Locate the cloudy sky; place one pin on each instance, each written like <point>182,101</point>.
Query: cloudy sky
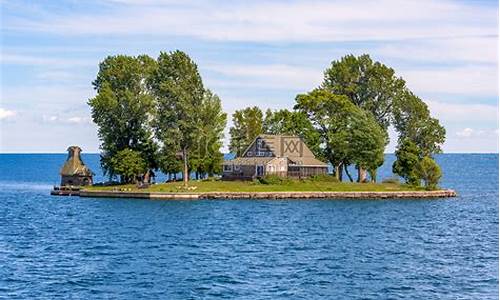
<point>250,53</point>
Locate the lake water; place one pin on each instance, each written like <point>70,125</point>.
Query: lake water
<point>67,247</point>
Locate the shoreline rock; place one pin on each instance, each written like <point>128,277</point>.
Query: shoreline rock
<point>271,195</point>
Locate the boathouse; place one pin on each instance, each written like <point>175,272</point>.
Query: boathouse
<point>282,155</point>
<point>74,172</point>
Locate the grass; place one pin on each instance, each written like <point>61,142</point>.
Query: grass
<point>202,186</point>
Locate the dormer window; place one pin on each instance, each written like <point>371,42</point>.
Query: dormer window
<point>260,144</point>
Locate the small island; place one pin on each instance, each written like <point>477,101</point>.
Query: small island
<point>156,115</point>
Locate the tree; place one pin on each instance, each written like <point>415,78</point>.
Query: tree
<point>370,85</point>
<point>296,123</point>
<point>178,89</point>
<point>122,108</point>
<point>411,118</point>
<point>207,158</point>
<point>428,171</point>
<point>129,164</point>
<point>367,143</point>
<point>348,134</point>
<point>247,125</point>
<point>407,158</point>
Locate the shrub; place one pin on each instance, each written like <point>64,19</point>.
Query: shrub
<point>428,171</point>
<point>393,180</point>
<point>324,178</point>
<point>274,179</point>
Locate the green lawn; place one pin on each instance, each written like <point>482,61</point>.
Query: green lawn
<point>249,186</point>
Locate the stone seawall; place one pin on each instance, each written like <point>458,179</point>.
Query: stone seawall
<point>272,195</point>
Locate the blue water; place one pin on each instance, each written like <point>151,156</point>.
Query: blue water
<point>67,247</point>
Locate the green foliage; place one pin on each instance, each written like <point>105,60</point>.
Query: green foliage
<point>129,164</point>
<point>323,178</point>
<point>296,123</point>
<point>247,125</point>
<point>348,134</point>
<point>122,108</point>
<point>178,90</point>
<point>428,171</point>
<point>370,85</point>
<point>207,158</point>
<point>274,179</point>
<point>391,180</point>
<point>407,158</point>
<point>413,122</point>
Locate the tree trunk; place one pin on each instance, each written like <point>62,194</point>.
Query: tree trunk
<point>338,172</point>
<point>185,174</point>
<point>361,174</point>
<point>373,175</point>
<point>347,172</point>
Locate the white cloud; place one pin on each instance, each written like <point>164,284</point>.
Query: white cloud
<point>477,80</point>
<point>278,21</point>
<point>271,76</point>
<point>77,120</point>
<point>462,49</point>
<point>464,113</point>
<point>6,114</point>
<point>469,132</point>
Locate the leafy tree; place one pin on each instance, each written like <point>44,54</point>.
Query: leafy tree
<point>407,158</point>
<point>343,130</point>
<point>247,125</point>
<point>370,85</point>
<point>122,108</point>
<point>411,118</point>
<point>367,143</point>
<point>178,89</point>
<point>296,123</point>
<point>129,164</point>
<point>207,158</point>
<point>428,171</point>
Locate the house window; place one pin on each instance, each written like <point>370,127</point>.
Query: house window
<point>260,144</point>
<point>228,168</point>
<point>237,168</point>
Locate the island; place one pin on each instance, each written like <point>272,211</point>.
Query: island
<point>156,115</point>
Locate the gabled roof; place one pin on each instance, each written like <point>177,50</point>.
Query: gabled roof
<point>249,160</point>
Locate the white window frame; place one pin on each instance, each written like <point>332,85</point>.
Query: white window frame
<point>228,168</point>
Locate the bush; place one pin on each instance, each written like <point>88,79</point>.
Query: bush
<point>428,171</point>
<point>274,179</point>
<point>324,178</point>
<point>393,180</point>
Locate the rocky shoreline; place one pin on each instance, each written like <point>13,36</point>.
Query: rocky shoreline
<point>270,195</point>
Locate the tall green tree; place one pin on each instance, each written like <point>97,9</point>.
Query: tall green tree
<point>367,143</point>
<point>247,125</point>
<point>412,120</point>
<point>342,127</point>
<point>407,159</point>
<point>368,84</point>
<point>178,90</point>
<point>123,108</point>
<point>297,123</point>
<point>207,158</point>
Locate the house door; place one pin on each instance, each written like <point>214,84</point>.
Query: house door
<point>260,171</point>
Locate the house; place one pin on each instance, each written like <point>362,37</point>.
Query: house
<point>282,155</point>
<point>74,172</point>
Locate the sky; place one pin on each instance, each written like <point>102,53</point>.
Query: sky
<point>248,52</point>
